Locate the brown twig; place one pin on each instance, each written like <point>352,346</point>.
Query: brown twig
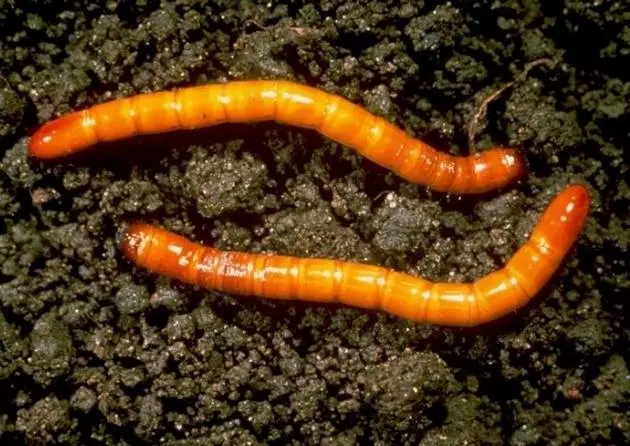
<point>483,108</point>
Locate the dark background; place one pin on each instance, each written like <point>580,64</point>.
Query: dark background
<point>95,351</point>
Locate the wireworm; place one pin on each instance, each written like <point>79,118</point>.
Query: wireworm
<point>286,102</point>
<point>322,280</point>
<point>368,286</point>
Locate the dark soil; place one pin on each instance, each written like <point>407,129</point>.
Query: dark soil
<point>96,351</point>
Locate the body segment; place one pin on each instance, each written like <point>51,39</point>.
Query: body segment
<point>368,286</point>
<point>286,102</point>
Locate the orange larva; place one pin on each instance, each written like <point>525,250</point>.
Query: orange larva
<point>322,280</point>
<point>368,286</point>
<point>286,102</point>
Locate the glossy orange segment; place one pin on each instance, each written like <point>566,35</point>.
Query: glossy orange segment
<point>496,295</point>
<point>286,102</point>
<point>317,280</point>
<point>368,286</point>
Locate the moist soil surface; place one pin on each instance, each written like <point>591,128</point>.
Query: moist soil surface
<point>94,350</point>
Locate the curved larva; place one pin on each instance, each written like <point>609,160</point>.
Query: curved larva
<point>286,102</point>
<point>368,286</point>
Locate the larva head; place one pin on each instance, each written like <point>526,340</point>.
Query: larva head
<point>62,137</point>
<point>161,251</point>
<point>136,242</point>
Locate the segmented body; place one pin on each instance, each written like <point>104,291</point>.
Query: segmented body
<point>368,286</point>
<point>323,280</point>
<point>285,102</point>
